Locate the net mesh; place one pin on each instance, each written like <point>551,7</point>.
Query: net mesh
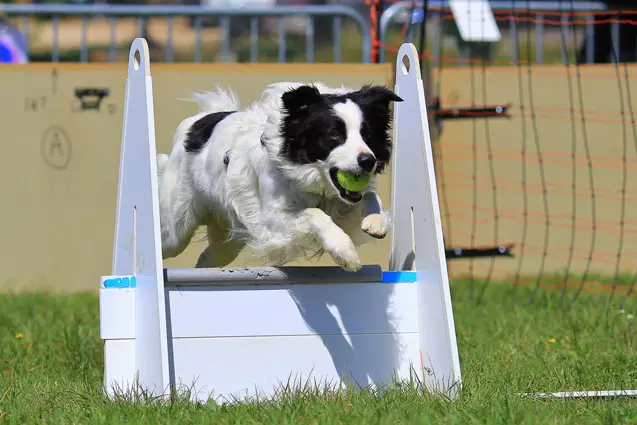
<point>553,178</point>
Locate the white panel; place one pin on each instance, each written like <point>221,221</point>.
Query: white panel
<point>415,199</point>
<point>293,309</point>
<point>475,20</point>
<point>119,366</point>
<point>117,313</point>
<point>229,368</point>
<point>150,357</point>
<point>271,310</point>
<point>137,248</point>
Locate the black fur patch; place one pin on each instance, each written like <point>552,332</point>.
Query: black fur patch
<point>311,131</point>
<point>200,131</point>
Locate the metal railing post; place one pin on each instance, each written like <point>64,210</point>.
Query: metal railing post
<point>142,13</point>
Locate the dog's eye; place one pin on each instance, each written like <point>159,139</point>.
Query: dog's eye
<point>335,136</point>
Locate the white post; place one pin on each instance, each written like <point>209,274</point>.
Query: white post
<point>137,249</point>
<point>417,240</point>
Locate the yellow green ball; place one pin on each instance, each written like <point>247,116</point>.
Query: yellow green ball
<point>352,181</point>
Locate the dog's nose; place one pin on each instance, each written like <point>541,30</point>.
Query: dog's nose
<point>366,161</point>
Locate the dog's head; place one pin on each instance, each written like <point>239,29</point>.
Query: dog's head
<point>337,129</point>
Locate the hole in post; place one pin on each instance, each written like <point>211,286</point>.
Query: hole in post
<point>137,60</point>
<point>406,65</point>
<point>413,238</point>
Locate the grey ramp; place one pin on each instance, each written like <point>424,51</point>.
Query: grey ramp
<point>270,275</point>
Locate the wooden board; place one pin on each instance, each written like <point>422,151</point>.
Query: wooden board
<point>60,164</point>
<point>542,125</point>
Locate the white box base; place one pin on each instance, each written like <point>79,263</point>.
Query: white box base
<point>241,342</point>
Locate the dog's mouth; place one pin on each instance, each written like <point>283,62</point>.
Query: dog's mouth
<point>348,195</point>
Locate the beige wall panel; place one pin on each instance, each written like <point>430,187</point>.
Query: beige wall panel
<point>543,126</point>
<point>60,163</point>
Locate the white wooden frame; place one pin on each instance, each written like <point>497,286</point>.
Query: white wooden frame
<point>266,329</point>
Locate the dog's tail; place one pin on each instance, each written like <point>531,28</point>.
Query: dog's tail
<point>219,100</point>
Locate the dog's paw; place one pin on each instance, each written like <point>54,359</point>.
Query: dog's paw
<point>349,261</point>
<point>376,225</point>
<point>343,252</point>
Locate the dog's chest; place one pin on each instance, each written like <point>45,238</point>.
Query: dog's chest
<point>334,208</point>
<point>331,207</point>
<point>305,200</point>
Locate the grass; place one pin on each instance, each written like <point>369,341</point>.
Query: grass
<point>51,362</point>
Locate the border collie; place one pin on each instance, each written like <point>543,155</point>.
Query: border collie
<point>264,177</point>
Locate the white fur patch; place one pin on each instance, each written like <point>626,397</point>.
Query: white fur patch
<point>345,156</point>
<point>351,115</point>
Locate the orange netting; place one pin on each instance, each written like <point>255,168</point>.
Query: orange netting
<point>556,178</point>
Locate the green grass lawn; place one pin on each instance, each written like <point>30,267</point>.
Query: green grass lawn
<point>51,369</point>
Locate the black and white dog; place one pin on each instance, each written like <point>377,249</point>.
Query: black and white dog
<point>265,176</point>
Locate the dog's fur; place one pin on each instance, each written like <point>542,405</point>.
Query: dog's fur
<point>264,176</point>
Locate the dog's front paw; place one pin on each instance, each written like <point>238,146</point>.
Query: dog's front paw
<point>344,253</point>
<point>348,260</point>
<point>376,225</point>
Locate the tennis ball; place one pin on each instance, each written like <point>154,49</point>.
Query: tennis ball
<point>352,181</point>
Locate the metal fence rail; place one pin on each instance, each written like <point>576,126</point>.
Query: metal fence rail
<point>540,12</point>
<point>537,9</point>
<point>112,12</point>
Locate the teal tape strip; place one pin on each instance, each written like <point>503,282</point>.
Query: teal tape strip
<point>399,277</point>
<point>121,282</point>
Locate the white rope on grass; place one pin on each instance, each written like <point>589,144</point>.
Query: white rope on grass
<point>579,394</point>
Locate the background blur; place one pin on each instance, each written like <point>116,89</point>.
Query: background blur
<point>227,30</point>
<point>534,165</point>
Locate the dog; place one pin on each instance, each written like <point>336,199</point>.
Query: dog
<point>264,177</point>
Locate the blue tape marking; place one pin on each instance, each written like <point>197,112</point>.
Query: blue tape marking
<point>121,282</point>
<point>399,277</point>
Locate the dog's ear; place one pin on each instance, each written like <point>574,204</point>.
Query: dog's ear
<point>379,93</point>
<point>300,97</point>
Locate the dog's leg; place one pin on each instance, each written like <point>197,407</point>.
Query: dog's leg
<point>177,219</point>
<point>291,235</point>
<point>220,251</point>
<point>375,220</point>
<point>219,254</point>
<point>333,239</point>
<point>176,234</point>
